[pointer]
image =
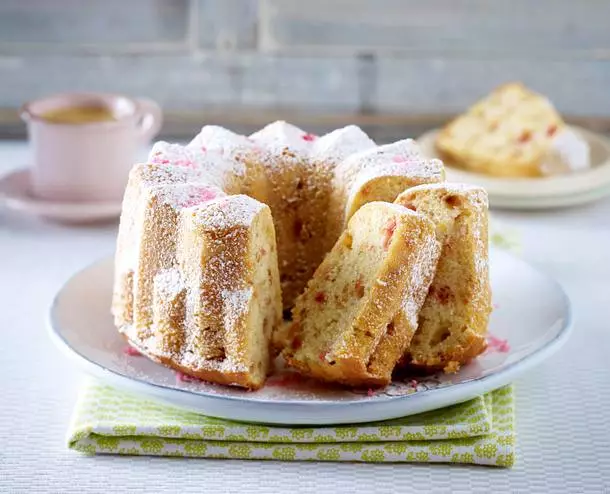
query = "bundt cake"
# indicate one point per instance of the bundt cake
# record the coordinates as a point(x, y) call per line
point(196, 213)
point(453, 320)
point(356, 316)
point(513, 132)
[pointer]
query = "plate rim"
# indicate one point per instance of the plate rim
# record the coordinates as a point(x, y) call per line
point(60, 210)
point(430, 398)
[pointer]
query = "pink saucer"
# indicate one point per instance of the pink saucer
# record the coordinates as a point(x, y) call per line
point(15, 194)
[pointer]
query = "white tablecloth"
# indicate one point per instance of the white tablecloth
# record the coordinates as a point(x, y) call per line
point(563, 406)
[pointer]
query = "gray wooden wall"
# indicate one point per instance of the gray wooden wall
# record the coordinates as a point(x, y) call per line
point(387, 56)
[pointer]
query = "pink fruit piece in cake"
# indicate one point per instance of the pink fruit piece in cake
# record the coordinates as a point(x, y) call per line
point(388, 232)
point(359, 288)
point(525, 136)
point(157, 160)
point(202, 195)
point(184, 162)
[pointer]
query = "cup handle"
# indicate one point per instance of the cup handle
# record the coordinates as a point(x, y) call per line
point(151, 118)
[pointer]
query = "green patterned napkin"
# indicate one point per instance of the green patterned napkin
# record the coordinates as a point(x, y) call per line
point(479, 431)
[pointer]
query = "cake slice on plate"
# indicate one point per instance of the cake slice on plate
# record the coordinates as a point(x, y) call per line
point(345, 326)
point(453, 320)
point(513, 132)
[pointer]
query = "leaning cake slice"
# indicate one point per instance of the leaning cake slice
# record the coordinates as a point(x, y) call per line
point(344, 326)
point(453, 320)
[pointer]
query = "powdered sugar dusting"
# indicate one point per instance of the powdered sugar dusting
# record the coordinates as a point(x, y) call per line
point(406, 149)
point(278, 136)
point(228, 212)
point(236, 304)
point(476, 192)
point(157, 174)
point(180, 196)
point(339, 144)
point(418, 170)
point(194, 361)
point(210, 162)
point(226, 145)
point(164, 153)
point(420, 278)
point(169, 283)
point(399, 158)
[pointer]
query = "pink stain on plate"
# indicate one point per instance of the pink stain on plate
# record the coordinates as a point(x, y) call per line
point(181, 377)
point(495, 344)
point(131, 351)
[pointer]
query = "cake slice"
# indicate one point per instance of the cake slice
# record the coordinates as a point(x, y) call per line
point(513, 132)
point(453, 319)
point(379, 174)
point(348, 325)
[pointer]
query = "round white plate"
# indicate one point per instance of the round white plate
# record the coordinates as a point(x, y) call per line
point(539, 193)
point(532, 314)
point(15, 194)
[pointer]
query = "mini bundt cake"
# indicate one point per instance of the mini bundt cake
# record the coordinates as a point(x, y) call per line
point(195, 213)
point(513, 132)
point(359, 311)
point(453, 320)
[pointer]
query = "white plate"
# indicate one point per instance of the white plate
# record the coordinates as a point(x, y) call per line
point(531, 312)
point(15, 194)
point(538, 193)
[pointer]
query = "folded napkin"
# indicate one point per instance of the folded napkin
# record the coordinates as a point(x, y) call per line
point(110, 421)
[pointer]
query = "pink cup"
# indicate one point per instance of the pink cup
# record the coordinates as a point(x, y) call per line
point(90, 161)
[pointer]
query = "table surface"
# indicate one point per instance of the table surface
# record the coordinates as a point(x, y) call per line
point(563, 419)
